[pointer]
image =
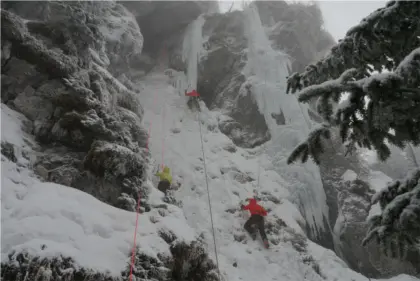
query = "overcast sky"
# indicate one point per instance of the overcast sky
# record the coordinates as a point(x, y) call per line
point(339, 15)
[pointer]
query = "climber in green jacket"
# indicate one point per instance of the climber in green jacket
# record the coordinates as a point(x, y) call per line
point(165, 179)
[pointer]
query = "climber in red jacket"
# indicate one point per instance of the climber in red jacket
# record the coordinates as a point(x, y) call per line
point(193, 93)
point(257, 219)
point(193, 100)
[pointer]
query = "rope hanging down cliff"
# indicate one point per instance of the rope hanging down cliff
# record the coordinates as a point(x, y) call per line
point(208, 192)
point(133, 254)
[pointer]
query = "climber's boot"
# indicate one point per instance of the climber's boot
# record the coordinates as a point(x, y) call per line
point(266, 244)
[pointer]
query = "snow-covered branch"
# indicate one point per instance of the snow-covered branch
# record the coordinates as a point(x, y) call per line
point(384, 38)
point(369, 113)
point(400, 217)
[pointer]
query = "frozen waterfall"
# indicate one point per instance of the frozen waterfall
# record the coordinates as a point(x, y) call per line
point(267, 70)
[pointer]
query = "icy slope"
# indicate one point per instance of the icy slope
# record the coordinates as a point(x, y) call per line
point(98, 236)
point(70, 222)
point(178, 126)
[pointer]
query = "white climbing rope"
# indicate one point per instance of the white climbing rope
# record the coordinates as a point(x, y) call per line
point(208, 195)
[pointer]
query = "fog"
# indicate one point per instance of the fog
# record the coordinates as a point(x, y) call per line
point(339, 16)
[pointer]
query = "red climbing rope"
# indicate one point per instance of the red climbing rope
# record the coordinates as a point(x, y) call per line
point(138, 200)
point(133, 254)
point(163, 133)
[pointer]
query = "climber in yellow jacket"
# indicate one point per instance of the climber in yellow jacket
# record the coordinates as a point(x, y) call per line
point(165, 179)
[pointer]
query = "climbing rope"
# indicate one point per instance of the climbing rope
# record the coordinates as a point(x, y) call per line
point(133, 253)
point(163, 136)
point(208, 196)
point(263, 146)
point(163, 114)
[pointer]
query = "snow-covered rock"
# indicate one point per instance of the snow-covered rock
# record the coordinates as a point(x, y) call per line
point(297, 29)
point(70, 100)
point(106, 31)
point(349, 186)
point(221, 82)
point(54, 232)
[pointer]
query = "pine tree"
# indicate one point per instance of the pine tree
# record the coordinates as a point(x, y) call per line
point(380, 109)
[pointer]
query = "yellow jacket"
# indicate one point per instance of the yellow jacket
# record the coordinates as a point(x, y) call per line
point(165, 175)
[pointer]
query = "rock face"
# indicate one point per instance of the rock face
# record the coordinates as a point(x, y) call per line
point(54, 71)
point(296, 29)
point(106, 31)
point(163, 24)
point(354, 205)
point(221, 83)
point(162, 19)
point(348, 199)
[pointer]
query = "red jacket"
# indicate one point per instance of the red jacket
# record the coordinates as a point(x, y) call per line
point(193, 93)
point(254, 208)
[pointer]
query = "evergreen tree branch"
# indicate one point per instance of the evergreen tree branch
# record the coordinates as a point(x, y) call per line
point(312, 147)
point(383, 38)
point(381, 109)
point(400, 217)
point(390, 107)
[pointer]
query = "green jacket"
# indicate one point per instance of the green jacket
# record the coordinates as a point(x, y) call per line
point(165, 175)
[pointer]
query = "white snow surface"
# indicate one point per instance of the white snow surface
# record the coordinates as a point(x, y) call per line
point(182, 152)
point(349, 175)
point(70, 222)
point(98, 236)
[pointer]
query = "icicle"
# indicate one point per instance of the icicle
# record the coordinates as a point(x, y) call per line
point(192, 45)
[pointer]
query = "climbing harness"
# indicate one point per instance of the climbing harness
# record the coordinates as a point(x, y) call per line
point(208, 195)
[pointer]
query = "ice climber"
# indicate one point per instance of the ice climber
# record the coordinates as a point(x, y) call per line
point(256, 220)
point(165, 179)
point(193, 99)
point(193, 93)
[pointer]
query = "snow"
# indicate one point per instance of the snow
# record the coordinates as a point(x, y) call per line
point(377, 181)
point(73, 223)
point(337, 270)
point(406, 62)
point(183, 154)
point(100, 237)
point(349, 175)
point(120, 25)
point(105, 73)
point(11, 132)
point(266, 70)
point(104, 61)
point(184, 159)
